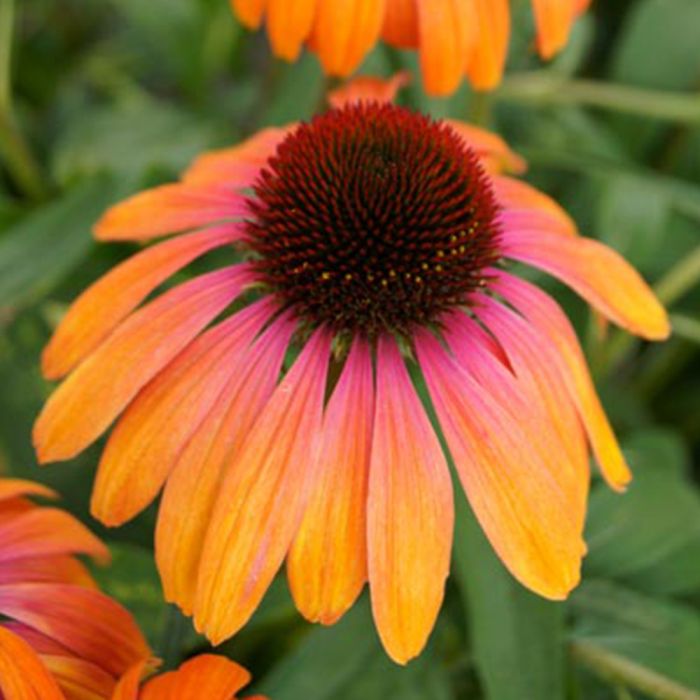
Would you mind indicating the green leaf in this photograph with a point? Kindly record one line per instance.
(47, 244)
(517, 637)
(650, 537)
(345, 661)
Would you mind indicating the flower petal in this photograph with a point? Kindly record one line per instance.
(99, 309)
(494, 152)
(524, 512)
(11, 488)
(553, 19)
(485, 67)
(250, 12)
(145, 444)
(368, 89)
(327, 565)
(345, 31)
(261, 500)
(79, 679)
(90, 624)
(47, 569)
(599, 274)
(169, 209)
(205, 676)
(401, 24)
(194, 482)
(289, 25)
(551, 323)
(410, 512)
(22, 674)
(137, 350)
(127, 687)
(447, 33)
(47, 532)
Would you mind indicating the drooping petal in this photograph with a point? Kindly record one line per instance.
(289, 24)
(401, 24)
(599, 274)
(327, 565)
(90, 624)
(102, 306)
(156, 426)
(47, 532)
(447, 33)
(240, 165)
(194, 482)
(127, 687)
(345, 31)
(524, 512)
(47, 569)
(493, 151)
(410, 512)
(79, 679)
(205, 676)
(22, 674)
(517, 196)
(12, 488)
(137, 350)
(170, 209)
(250, 12)
(485, 67)
(551, 322)
(261, 500)
(553, 20)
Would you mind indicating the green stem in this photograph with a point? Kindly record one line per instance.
(7, 18)
(480, 108)
(619, 670)
(544, 87)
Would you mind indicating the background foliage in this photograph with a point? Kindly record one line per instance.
(102, 97)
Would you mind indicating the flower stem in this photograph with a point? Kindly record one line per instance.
(544, 87)
(619, 670)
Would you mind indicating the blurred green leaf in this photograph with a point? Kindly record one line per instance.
(516, 636)
(41, 249)
(650, 537)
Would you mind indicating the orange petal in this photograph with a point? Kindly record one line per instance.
(108, 301)
(194, 482)
(11, 488)
(368, 89)
(485, 67)
(493, 151)
(205, 676)
(598, 273)
(327, 565)
(553, 19)
(169, 209)
(516, 195)
(22, 674)
(137, 350)
(250, 12)
(410, 513)
(240, 165)
(401, 24)
(289, 25)
(447, 34)
(127, 687)
(261, 500)
(145, 444)
(525, 514)
(79, 679)
(47, 532)
(90, 624)
(345, 31)
(550, 321)
(47, 569)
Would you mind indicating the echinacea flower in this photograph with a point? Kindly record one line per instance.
(60, 637)
(374, 241)
(454, 37)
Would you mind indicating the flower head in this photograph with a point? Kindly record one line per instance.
(374, 240)
(454, 37)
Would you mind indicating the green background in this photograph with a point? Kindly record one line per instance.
(100, 98)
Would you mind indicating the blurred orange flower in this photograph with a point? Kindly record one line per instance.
(373, 237)
(454, 37)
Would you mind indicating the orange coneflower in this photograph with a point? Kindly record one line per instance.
(454, 37)
(60, 637)
(374, 241)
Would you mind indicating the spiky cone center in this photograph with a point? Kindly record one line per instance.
(372, 218)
